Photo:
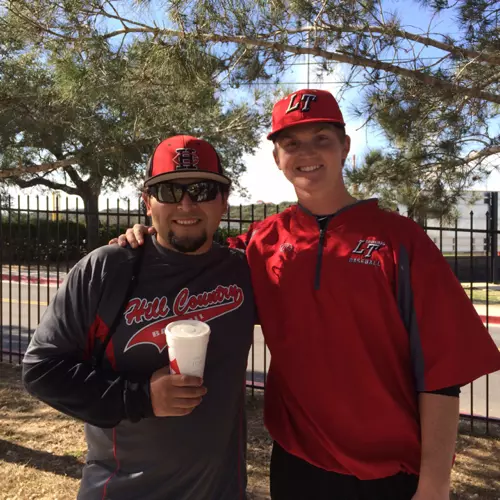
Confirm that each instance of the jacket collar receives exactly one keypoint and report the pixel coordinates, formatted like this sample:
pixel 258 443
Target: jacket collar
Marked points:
pixel 306 218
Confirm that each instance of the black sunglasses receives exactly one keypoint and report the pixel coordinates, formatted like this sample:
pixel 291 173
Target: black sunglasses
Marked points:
pixel 199 192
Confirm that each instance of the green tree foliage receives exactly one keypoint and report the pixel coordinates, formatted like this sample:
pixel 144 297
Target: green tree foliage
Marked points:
pixel 440 115
pixel 82 116
pixel 440 142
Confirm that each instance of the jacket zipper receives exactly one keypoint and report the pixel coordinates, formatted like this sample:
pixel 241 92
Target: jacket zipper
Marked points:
pixel 321 244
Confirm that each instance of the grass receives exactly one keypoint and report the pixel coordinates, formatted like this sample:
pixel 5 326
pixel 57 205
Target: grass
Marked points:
pixel 480 294
pixel 42 451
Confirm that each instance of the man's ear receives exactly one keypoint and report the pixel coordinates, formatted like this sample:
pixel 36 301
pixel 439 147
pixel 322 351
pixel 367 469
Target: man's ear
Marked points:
pixel 276 157
pixel 147 201
pixel 225 202
pixel 346 149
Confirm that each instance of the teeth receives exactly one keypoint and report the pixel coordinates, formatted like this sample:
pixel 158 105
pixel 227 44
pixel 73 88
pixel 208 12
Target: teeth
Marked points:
pixel 312 168
pixel 187 222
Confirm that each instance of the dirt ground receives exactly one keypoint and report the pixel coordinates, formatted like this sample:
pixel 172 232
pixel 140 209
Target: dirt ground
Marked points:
pixel 42 451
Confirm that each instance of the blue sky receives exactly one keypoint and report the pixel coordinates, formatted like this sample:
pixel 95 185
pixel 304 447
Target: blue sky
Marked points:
pixel 363 138
pixel 261 166
pixel 263 181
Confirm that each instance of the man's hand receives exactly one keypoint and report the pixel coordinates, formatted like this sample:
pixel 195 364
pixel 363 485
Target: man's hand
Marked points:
pixel 175 395
pixel 134 236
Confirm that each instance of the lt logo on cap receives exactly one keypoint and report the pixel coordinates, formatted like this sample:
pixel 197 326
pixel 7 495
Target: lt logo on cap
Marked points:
pixel 187 158
pixel 306 100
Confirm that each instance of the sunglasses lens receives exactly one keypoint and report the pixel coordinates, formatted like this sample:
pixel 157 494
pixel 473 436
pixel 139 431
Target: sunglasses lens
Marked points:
pixel 203 191
pixel 199 192
pixel 169 193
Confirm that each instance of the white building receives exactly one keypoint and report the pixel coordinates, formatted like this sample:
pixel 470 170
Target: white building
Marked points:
pixel 468 232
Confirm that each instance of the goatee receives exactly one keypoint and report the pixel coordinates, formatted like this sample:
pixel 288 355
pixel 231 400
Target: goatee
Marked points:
pixel 187 244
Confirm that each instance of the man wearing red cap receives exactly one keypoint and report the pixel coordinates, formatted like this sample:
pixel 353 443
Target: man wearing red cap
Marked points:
pixel 153 435
pixel 371 335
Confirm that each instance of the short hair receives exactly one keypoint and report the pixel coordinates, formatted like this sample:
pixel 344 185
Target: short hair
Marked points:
pixel 341 130
pixel 338 127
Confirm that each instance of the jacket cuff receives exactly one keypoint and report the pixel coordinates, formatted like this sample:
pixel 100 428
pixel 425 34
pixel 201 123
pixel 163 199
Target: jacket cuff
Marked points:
pixel 137 401
pixel 453 391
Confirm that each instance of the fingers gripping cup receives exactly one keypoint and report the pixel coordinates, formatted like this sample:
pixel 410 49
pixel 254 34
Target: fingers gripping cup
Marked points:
pixel 187 342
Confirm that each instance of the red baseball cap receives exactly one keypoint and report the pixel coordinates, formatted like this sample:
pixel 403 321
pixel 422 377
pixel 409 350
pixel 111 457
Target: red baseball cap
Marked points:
pixel 184 157
pixel 305 106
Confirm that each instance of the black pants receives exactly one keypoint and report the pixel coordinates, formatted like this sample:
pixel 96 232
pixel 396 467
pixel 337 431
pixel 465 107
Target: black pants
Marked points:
pixel 295 479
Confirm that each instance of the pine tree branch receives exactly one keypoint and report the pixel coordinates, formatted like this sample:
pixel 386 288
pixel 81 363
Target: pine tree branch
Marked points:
pixel 398 33
pixel 325 54
pixel 392 31
pixel 480 155
pixel 424 40
pixel 351 59
pixel 493 79
pixel 35 24
pixel 120 18
pixel 108 2
pixel 476 156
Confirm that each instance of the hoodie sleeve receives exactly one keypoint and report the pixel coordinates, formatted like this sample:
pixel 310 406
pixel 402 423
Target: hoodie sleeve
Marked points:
pixel 57 368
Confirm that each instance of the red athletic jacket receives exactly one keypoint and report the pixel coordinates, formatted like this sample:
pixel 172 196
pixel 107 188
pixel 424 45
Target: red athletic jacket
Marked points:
pixel 359 318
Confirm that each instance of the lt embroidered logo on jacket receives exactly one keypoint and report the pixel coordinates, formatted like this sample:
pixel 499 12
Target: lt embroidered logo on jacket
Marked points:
pixel 364 252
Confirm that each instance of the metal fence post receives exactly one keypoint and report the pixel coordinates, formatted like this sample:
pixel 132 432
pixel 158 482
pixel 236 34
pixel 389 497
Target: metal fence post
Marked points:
pixel 494 237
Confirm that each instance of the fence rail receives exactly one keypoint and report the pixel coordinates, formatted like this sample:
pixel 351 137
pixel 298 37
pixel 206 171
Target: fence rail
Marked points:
pixel 39 245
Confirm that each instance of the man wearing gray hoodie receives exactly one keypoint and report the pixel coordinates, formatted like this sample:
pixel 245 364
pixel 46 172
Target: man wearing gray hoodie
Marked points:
pixel 153 435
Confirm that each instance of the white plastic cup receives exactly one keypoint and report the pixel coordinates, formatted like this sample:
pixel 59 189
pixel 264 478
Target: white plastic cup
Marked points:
pixel 187 342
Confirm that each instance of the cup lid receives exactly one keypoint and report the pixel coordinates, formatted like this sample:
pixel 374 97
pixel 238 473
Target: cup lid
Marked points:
pixel 187 328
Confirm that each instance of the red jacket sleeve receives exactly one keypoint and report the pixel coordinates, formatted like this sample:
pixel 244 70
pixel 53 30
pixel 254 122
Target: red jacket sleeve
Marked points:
pixel 454 347
pixel 241 241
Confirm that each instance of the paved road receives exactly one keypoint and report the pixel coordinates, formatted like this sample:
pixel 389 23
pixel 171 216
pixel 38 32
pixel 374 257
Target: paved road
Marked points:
pixel 21 308
pixel 23 305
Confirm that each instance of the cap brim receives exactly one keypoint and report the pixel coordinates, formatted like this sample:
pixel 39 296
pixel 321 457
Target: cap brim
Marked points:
pixel 192 174
pixel 272 135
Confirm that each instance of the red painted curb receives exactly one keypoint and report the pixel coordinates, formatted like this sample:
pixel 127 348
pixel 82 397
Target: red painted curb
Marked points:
pixel 492 320
pixel 16 278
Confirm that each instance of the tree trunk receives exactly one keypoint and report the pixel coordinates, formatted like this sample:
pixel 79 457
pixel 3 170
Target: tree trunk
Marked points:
pixel 91 205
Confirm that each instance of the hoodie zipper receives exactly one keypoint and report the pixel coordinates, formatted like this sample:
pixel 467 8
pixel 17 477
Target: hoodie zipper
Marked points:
pixel 321 244
pixel 322 233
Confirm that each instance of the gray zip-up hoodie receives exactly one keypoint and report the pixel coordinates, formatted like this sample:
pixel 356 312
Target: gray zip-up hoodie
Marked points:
pixel 132 454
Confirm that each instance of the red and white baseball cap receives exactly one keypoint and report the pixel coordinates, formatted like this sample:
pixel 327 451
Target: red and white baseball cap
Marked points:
pixel 184 157
pixel 305 106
